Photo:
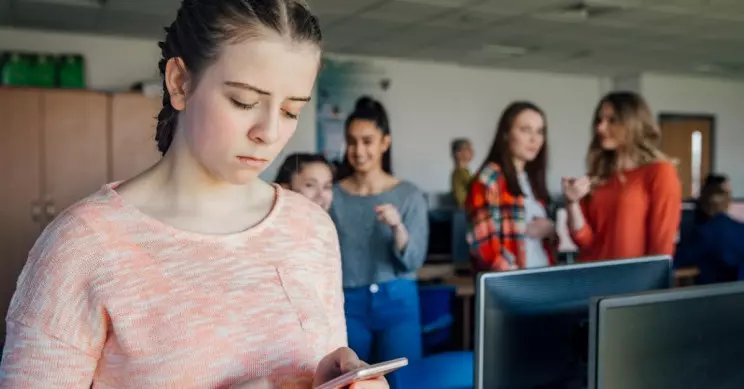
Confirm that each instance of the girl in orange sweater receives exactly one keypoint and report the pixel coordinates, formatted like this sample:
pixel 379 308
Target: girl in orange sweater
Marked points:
pixel 629 203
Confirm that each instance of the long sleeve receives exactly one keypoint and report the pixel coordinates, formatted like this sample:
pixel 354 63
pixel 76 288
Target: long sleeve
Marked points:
pixel 334 294
pixel 665 210
pixel 416 220
pixel 584 237
pixel 484 225
pixel 459 182
pixel 56 329
pixel 692 248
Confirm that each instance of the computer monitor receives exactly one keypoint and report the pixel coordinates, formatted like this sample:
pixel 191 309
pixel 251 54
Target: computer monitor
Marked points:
pixel 532 325
pixel 686 338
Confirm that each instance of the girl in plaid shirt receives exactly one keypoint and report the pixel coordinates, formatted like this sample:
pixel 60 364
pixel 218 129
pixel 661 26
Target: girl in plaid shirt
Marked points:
pixel 508 225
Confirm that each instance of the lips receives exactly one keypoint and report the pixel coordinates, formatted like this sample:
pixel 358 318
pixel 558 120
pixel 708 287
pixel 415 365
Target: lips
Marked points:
pixel 252 161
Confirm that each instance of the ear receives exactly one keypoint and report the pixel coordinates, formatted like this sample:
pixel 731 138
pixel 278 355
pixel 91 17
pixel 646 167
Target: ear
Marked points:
pixel 386 140
pixel 177 81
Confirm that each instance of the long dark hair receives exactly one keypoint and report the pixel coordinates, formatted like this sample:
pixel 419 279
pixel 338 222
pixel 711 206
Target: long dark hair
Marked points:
pixel 202 27
pixel 367 108
pixel 501 155
pixel 294 163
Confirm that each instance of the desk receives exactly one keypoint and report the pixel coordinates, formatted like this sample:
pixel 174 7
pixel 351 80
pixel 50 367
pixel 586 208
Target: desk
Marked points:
pixel 465 289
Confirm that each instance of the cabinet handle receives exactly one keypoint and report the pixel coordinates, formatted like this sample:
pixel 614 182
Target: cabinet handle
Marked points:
pixel 36 211
pixel 50 209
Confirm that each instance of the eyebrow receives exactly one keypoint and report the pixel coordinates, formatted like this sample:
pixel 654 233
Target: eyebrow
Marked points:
pixel 260 91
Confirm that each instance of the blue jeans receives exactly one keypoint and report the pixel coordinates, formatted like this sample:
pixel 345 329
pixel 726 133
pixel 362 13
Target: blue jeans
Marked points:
pixel 383 321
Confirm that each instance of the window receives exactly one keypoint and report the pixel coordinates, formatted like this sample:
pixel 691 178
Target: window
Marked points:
pixel 696 161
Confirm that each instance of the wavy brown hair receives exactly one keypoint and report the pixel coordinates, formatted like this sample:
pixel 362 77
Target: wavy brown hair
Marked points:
pixel 639 140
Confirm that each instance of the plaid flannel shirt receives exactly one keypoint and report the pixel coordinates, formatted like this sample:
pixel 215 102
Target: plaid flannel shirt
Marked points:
pixel 496 223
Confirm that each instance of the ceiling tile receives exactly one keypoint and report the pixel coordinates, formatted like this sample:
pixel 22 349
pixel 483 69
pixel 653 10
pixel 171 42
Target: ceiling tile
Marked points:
pixel 55 16
pixel 632 18
pixel 361 30
pixel 418 37
pixel 466 19
pixel 4 12
pixel 519 7
pixel 405 12
pixel 135 24
pixel 343 7
pixel 156 7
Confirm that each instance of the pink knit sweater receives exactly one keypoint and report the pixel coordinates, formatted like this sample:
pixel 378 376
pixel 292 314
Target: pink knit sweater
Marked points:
pixel 116 299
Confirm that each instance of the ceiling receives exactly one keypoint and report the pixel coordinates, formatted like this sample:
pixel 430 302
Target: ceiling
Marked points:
pixel 608 37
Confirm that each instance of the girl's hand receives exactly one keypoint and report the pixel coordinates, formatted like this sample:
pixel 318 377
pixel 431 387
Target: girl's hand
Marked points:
pixel 540 228
pixel 574 189
pixel 387 214
pixel 342 361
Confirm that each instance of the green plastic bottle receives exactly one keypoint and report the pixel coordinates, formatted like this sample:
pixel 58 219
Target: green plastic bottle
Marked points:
pixel 71 71
pixel 15 70
pixel 43 71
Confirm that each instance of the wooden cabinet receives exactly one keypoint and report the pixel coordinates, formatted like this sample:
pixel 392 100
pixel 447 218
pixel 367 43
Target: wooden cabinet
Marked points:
pixel 75 147
pixel 133 148
pixel 56 147
pixel 20 191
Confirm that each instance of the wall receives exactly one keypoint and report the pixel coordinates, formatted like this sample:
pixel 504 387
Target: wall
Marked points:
pixel 112 63
pixel 432 103
pixel 722 98
pixel 429 104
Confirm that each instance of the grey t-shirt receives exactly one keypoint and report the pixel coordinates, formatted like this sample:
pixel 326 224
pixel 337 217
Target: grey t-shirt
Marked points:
pixel 368 252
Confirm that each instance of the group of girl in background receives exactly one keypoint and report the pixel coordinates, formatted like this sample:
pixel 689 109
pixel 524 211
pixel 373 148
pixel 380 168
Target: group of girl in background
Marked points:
pixel 627 205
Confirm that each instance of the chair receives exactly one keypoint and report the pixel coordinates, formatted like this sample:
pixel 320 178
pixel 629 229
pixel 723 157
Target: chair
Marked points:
pixel 436 304
pixel 451 370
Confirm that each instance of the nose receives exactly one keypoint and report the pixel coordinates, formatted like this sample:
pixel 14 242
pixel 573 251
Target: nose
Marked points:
pixel 602 126
pixel 265 129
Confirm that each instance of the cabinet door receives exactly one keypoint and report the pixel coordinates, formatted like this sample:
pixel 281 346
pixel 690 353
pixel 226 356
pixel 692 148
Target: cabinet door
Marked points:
pixel 75 147
pixel 20 192
pixel 133 146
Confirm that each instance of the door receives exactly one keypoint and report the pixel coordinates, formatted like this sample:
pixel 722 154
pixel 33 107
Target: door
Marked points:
pixel 689 140
pixel 75 147
pixel 20 169
pixel 133 147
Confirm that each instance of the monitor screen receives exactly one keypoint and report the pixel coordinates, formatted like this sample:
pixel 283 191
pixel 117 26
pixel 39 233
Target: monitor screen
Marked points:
pixel 532 325
pixel 684 338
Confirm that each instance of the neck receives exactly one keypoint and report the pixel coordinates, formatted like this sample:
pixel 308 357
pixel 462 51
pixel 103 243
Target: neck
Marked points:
pixel 187 185
pixel 519 165
pixel 461 164
pixel 368 182
pixel 624 162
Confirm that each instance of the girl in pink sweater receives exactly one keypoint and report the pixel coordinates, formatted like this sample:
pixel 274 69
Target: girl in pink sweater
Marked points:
pixel 195 273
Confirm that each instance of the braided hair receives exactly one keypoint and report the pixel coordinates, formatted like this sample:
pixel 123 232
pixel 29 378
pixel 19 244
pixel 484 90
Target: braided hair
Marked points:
pixel 202 27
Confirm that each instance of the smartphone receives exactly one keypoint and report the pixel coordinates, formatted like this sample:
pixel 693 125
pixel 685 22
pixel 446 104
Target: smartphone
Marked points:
pixel 364 373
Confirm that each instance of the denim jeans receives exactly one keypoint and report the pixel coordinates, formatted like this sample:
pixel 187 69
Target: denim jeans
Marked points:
pixel 383 321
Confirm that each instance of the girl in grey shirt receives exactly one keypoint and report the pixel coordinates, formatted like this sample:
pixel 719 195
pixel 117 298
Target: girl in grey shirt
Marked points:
pixel 382 225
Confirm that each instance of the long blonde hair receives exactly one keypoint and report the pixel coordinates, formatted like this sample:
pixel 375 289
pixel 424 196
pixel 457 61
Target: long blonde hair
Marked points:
pixel 640 140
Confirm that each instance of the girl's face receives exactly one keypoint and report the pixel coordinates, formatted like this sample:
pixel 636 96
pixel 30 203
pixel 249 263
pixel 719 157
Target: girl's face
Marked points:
pixel 527 135
pixel 365 145
pixel 314 181
pixel 609 130
pixel 245 106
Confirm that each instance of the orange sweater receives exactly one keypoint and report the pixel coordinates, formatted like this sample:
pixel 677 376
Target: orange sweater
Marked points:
pixel 638 216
